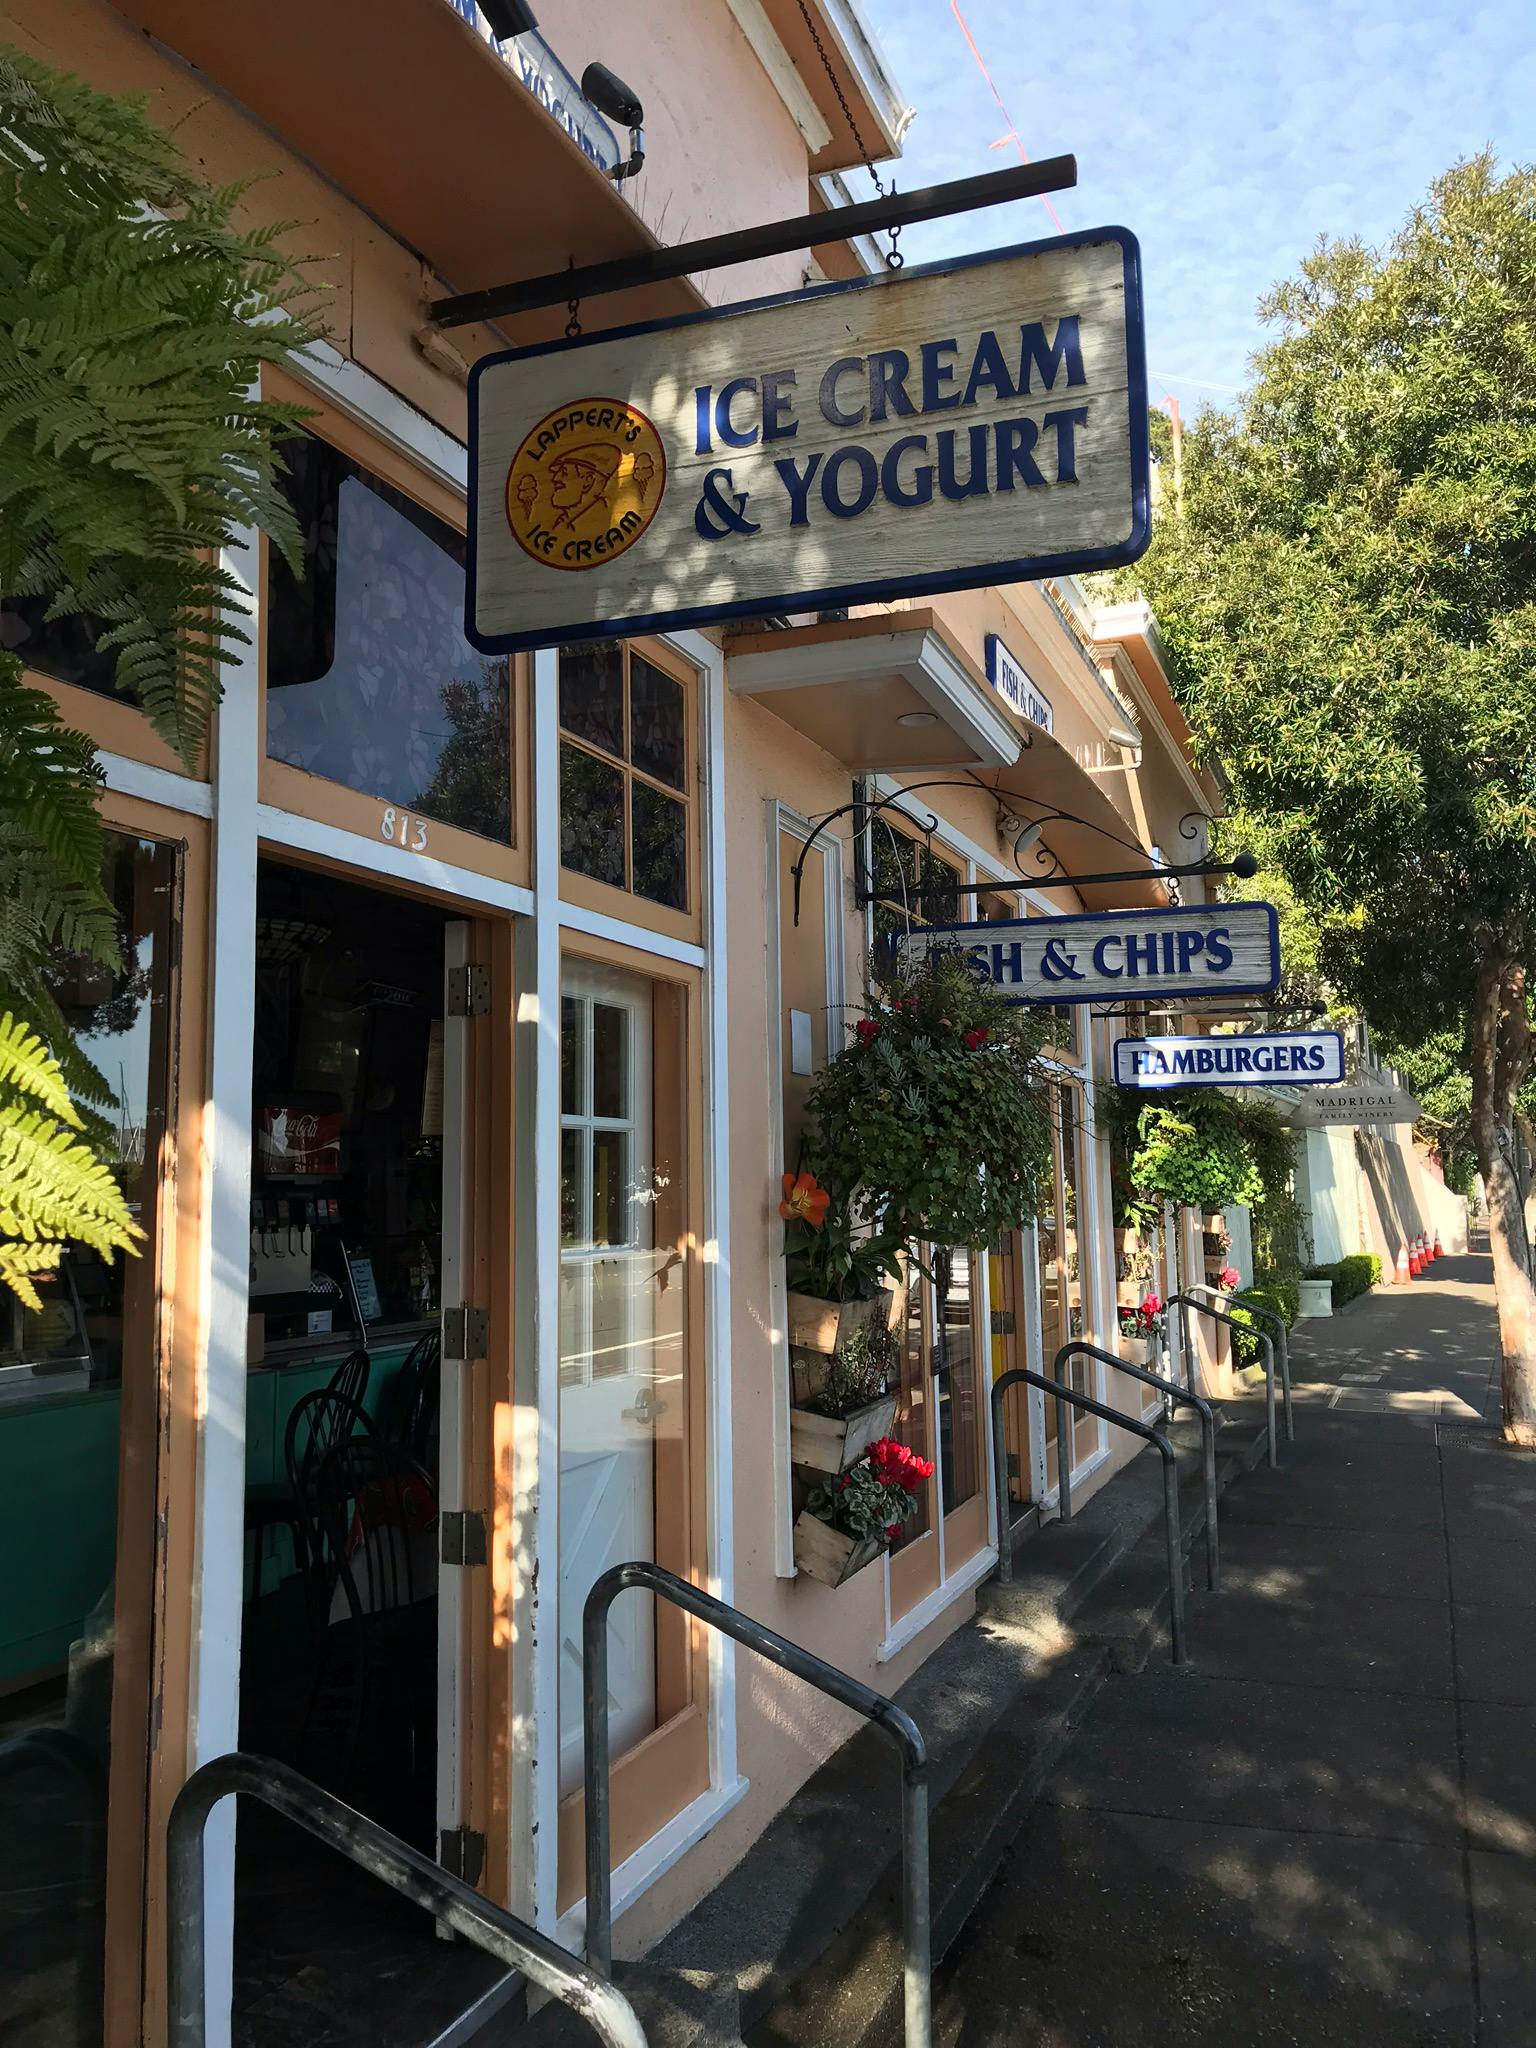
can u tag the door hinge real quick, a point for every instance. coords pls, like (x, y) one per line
(469, 991)
(1003, 1324)
(461, 1852)
(462, 1536)
(466, 1333)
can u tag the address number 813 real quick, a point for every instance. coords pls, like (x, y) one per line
(401, 829)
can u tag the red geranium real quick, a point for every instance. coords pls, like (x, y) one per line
(976, 1038)
(866, 1030)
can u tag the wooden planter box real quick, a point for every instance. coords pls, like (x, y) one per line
(825, 1553)
(829, 1444)
(1139, 1351)
(816, 1325)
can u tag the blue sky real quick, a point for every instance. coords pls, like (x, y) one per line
(1226, 133)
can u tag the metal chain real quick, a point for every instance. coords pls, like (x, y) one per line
(894, 259)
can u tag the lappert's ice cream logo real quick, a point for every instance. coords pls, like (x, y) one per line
(586, 483)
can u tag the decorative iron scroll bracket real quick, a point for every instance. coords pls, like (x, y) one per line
(1045, 871)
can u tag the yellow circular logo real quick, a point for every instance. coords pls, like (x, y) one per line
(586, 483)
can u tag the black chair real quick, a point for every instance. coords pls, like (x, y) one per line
(411, 1418)
(270, 1503)
(370, 1729)
(317, 1427)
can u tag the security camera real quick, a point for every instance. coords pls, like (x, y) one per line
(606, 91)
(508, 18)
(611, 96)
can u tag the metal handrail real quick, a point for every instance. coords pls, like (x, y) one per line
(1173, 1392)
(1282, 1332)
(838, 1685)
(382, 1855)
(1184, 1300)
(1069, 1396)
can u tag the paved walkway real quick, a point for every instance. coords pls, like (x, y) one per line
(1323, 1829)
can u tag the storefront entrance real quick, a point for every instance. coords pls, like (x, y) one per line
(339, 1666)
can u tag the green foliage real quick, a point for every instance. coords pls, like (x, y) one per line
(865, 1365)
(936, 1120)
(1350, 602)
(837, 1260)
(1185, 1145)
(136, 318)
(1279, 1292)
(1351, 1277)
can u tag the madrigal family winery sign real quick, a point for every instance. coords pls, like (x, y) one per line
(979, 421)
(1204, 949)
(1254, 1059)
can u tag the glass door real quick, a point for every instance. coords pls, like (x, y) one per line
(80, 1368)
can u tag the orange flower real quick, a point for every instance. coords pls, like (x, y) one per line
(803, 1201)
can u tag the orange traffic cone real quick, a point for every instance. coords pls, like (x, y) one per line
(1404, 1271)
(1439, 1252)
(1415, 1259)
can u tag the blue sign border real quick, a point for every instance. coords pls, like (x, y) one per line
(1019, 570)
(1162, 1084)
(1156, 988)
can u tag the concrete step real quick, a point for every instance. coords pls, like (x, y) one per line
(676, 2009)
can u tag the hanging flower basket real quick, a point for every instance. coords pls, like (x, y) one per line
(936, 1119)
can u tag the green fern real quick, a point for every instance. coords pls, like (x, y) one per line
(135, 317)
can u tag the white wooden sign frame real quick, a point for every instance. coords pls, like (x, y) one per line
(948, 425)
(1105, 956)
(1249, 1059)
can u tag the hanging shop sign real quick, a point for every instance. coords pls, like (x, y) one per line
(1204, 949)
(1013, 682)
(977, 421)
(1358, 1102)
(1258, 1059)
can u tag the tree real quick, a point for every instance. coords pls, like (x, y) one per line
(134, 318)
(1350, 605)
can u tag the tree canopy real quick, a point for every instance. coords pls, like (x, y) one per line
(1349, 601)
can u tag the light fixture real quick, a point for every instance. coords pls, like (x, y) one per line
(1028, 837)
(508, 18)
(1122, 736)
(917, 718)
(605, 90)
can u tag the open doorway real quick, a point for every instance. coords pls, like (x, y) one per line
(353, 1144)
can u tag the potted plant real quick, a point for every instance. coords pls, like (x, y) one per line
(834, 1270)
(854, 1404)
(936, 1117)
(1142, 1327)
(847, 1522)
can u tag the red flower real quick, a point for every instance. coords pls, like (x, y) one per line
(866, 1030)
(892, 1531)
(894, 1464)
(1152, 1306)
(976, 1037)
(1228, 1278)
(804, 1201)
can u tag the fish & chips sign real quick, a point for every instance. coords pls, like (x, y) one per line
(979, 421)
(1205, 949)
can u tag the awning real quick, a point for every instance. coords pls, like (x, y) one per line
(414, 115)
(888, 693)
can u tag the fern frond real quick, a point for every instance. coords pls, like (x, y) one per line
(19, 1263)
(27, 1065)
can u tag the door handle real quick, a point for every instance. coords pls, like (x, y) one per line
(644, 1409)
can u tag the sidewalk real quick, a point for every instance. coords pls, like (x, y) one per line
(1323, 1829)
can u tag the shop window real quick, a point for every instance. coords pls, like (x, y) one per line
(624, 1385)
(370, 681)
(912, 884)
(77, 1393)
(63, 649)
(625, 806)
